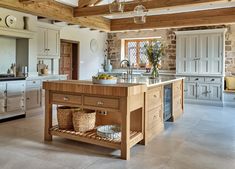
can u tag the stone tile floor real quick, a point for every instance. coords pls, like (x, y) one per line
(203, 138)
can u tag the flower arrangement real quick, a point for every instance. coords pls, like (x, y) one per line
(155, 51)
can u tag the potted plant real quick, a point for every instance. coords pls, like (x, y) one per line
(154, 51)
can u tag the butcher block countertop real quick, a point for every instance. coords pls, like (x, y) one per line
(76, 86)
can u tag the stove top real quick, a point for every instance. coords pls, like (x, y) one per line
(6, 75)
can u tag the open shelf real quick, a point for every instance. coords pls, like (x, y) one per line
(92, 138)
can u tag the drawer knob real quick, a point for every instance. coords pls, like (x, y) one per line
(196, 79)
(66, 98)
(212, 80)
(185, 90)
(155, 95)
(100, 103)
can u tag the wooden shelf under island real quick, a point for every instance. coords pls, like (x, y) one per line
(136, 106)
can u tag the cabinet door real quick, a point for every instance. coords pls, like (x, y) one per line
(215, 92)
(190, 90)
(33, 98)
(15, 88)
(203, 91)
(53, 44)
(2, 105)
(182, 51)
(192, 59)
(42, 41)
(15, 104)
(2, 90)
(216, 53)
(204, 53)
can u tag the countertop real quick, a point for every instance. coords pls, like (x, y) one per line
(151, 82)
(12, 78)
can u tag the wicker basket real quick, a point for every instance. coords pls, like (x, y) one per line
(65, 117)
(84, 120)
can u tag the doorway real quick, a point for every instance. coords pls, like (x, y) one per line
(69, 59)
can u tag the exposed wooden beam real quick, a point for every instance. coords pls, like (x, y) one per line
(32, 1)
(102, 10)
(198, 18)
(85, 3)
(56, 11)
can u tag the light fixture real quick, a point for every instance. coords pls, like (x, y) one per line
(140, 13)
(116, 6)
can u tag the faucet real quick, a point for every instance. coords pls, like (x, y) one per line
(129, 70)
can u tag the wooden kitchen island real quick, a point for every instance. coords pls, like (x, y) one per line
(136, 106)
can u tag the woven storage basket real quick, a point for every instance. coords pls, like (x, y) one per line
(65, 117)
(84, 120)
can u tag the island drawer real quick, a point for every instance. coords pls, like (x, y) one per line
(154, 97)
(101, 102)
(66, 99)
(155, 117)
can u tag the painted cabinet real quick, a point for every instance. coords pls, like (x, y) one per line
(203, 88)
(33, 94)
(200, 53)
(2, 97)
(190, 90)
(48, 42)
(15, 96)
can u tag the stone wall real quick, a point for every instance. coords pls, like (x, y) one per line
(230, 50)
(168, 36)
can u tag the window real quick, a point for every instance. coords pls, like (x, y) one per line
(135, 51)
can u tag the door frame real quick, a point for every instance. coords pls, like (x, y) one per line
(78, 54)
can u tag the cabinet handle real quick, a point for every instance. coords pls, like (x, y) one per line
(196, 79)
(212, 80)
(66, 98)
(234, 98)
(34, 82)
(100, 103)
(27, 99)
(155, 96)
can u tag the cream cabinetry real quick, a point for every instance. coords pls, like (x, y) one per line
(48, 41)
(33, 94)
(200, 52)
(200, 58)
(203, 89)
(12, 99)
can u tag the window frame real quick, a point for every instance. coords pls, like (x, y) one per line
(126, 55)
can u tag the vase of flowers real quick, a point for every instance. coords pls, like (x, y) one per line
(154, 51)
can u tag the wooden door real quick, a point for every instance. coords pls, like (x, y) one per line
(66, 59)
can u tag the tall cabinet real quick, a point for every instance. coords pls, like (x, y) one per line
(200, 58)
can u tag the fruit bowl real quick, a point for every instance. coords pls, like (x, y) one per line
(104, 79)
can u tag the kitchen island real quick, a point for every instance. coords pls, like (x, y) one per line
(136, 105)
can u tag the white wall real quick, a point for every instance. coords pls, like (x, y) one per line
(7, 53)
(32, 26)
(89, 62)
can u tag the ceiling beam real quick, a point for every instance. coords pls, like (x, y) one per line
(198, 18)
(85, 3)
(102, 10)
(56, 11)
(32, 1)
